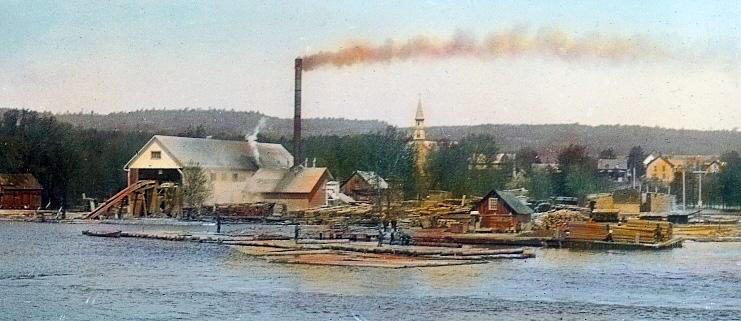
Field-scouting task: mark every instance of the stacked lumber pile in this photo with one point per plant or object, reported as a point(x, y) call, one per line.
point(641, 230)
point(342, 214)
point(605, 215)
point(437, 214)
point(587, 231)
point(556, 220)
point(438, 208)
point(706, 230)
point(245, 210)
point(631, 232)
point(407, 213)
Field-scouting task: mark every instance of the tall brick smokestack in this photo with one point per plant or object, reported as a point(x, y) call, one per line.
point(297, 148)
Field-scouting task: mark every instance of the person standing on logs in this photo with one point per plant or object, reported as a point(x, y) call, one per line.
point(657, 234)
point(296, 231)
point(380, 237)
point(608, 238)
point(218, 223)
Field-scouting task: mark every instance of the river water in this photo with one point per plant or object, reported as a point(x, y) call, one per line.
point(52, 272)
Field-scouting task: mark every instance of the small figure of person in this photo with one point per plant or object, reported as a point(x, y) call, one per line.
point(608, 238)
point(380, 237)
point(218, 223)
point(296, 231)
point(391, 238)
point(657, 234)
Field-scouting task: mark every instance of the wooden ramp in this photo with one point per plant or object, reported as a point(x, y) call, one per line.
point(130, 190)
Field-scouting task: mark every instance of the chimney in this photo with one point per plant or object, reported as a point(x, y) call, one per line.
point(297, 152)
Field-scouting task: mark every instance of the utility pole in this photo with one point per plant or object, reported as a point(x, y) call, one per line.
point(700, 174)
point(699, 191)
point(684, 195)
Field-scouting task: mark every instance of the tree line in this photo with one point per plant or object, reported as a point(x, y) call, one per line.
point(70, 160)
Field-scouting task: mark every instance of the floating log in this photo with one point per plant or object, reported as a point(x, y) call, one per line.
point(102, 233)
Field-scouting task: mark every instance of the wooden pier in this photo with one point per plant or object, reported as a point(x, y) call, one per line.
point(337, 252)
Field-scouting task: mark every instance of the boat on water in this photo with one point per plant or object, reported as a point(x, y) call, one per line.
point(102, 233)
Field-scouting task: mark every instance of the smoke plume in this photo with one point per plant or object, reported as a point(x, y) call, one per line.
point(252, 140)
point(513, 43)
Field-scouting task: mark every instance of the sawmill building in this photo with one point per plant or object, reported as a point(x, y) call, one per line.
point(238, 171)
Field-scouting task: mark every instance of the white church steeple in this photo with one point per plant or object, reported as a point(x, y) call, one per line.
point(419, 123)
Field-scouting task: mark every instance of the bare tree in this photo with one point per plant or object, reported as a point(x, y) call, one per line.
point(195, 188)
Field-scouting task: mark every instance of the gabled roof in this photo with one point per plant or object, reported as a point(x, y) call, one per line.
point(371, 178)
point(514, 203)
point(618, 163)
point(284, 180)
point(662, 158)
point(19, 181)
point(501, 158)
point(217, 153)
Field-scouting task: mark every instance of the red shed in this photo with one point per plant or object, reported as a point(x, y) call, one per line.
point(19, 191)
point(502, 211)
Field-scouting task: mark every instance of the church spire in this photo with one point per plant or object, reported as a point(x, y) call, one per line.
point(419, 123)
point(420, 115)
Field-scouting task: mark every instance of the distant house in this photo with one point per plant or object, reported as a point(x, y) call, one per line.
point(484, 161)
point(713, 167)
point(19, 191)
point(661, 169)
point(363, 185)
point(238, 171)
point(614, 169)
point(502, 211)
point(666, 168)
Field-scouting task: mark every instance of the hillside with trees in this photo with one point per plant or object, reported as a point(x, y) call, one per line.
point(88, 157)
point(546, 139)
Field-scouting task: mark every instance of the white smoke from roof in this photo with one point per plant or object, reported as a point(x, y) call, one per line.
point(252, 140)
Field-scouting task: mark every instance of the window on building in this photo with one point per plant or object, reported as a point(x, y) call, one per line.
point(492, 204)
point(235, 177)
point(155, 154)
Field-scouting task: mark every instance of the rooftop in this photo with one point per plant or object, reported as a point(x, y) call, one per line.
point(19, 181)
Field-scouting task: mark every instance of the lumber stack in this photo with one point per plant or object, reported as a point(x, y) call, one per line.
point(643, 231)
point(605, 215)
point(633, 231)
point(558, 220)
point(706, 230)
point(587, 231)
point(408, 213)
point(245, 210)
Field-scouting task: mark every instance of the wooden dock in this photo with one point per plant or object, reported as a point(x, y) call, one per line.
point(493, 239)
point(602, 245)
point(338, 252)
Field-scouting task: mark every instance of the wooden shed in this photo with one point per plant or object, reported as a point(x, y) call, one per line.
point(363, 185)
point(502, 211)
point(19, 191)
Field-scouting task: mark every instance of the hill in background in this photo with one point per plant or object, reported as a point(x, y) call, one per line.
point(217, 122)
point(547, 139)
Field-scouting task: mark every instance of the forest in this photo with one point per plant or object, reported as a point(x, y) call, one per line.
point(70, 160)
point(547, 139)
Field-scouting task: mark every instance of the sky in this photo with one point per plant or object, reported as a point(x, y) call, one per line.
point(120, 56)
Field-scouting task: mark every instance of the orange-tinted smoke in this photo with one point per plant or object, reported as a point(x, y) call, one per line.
point(517, 42)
